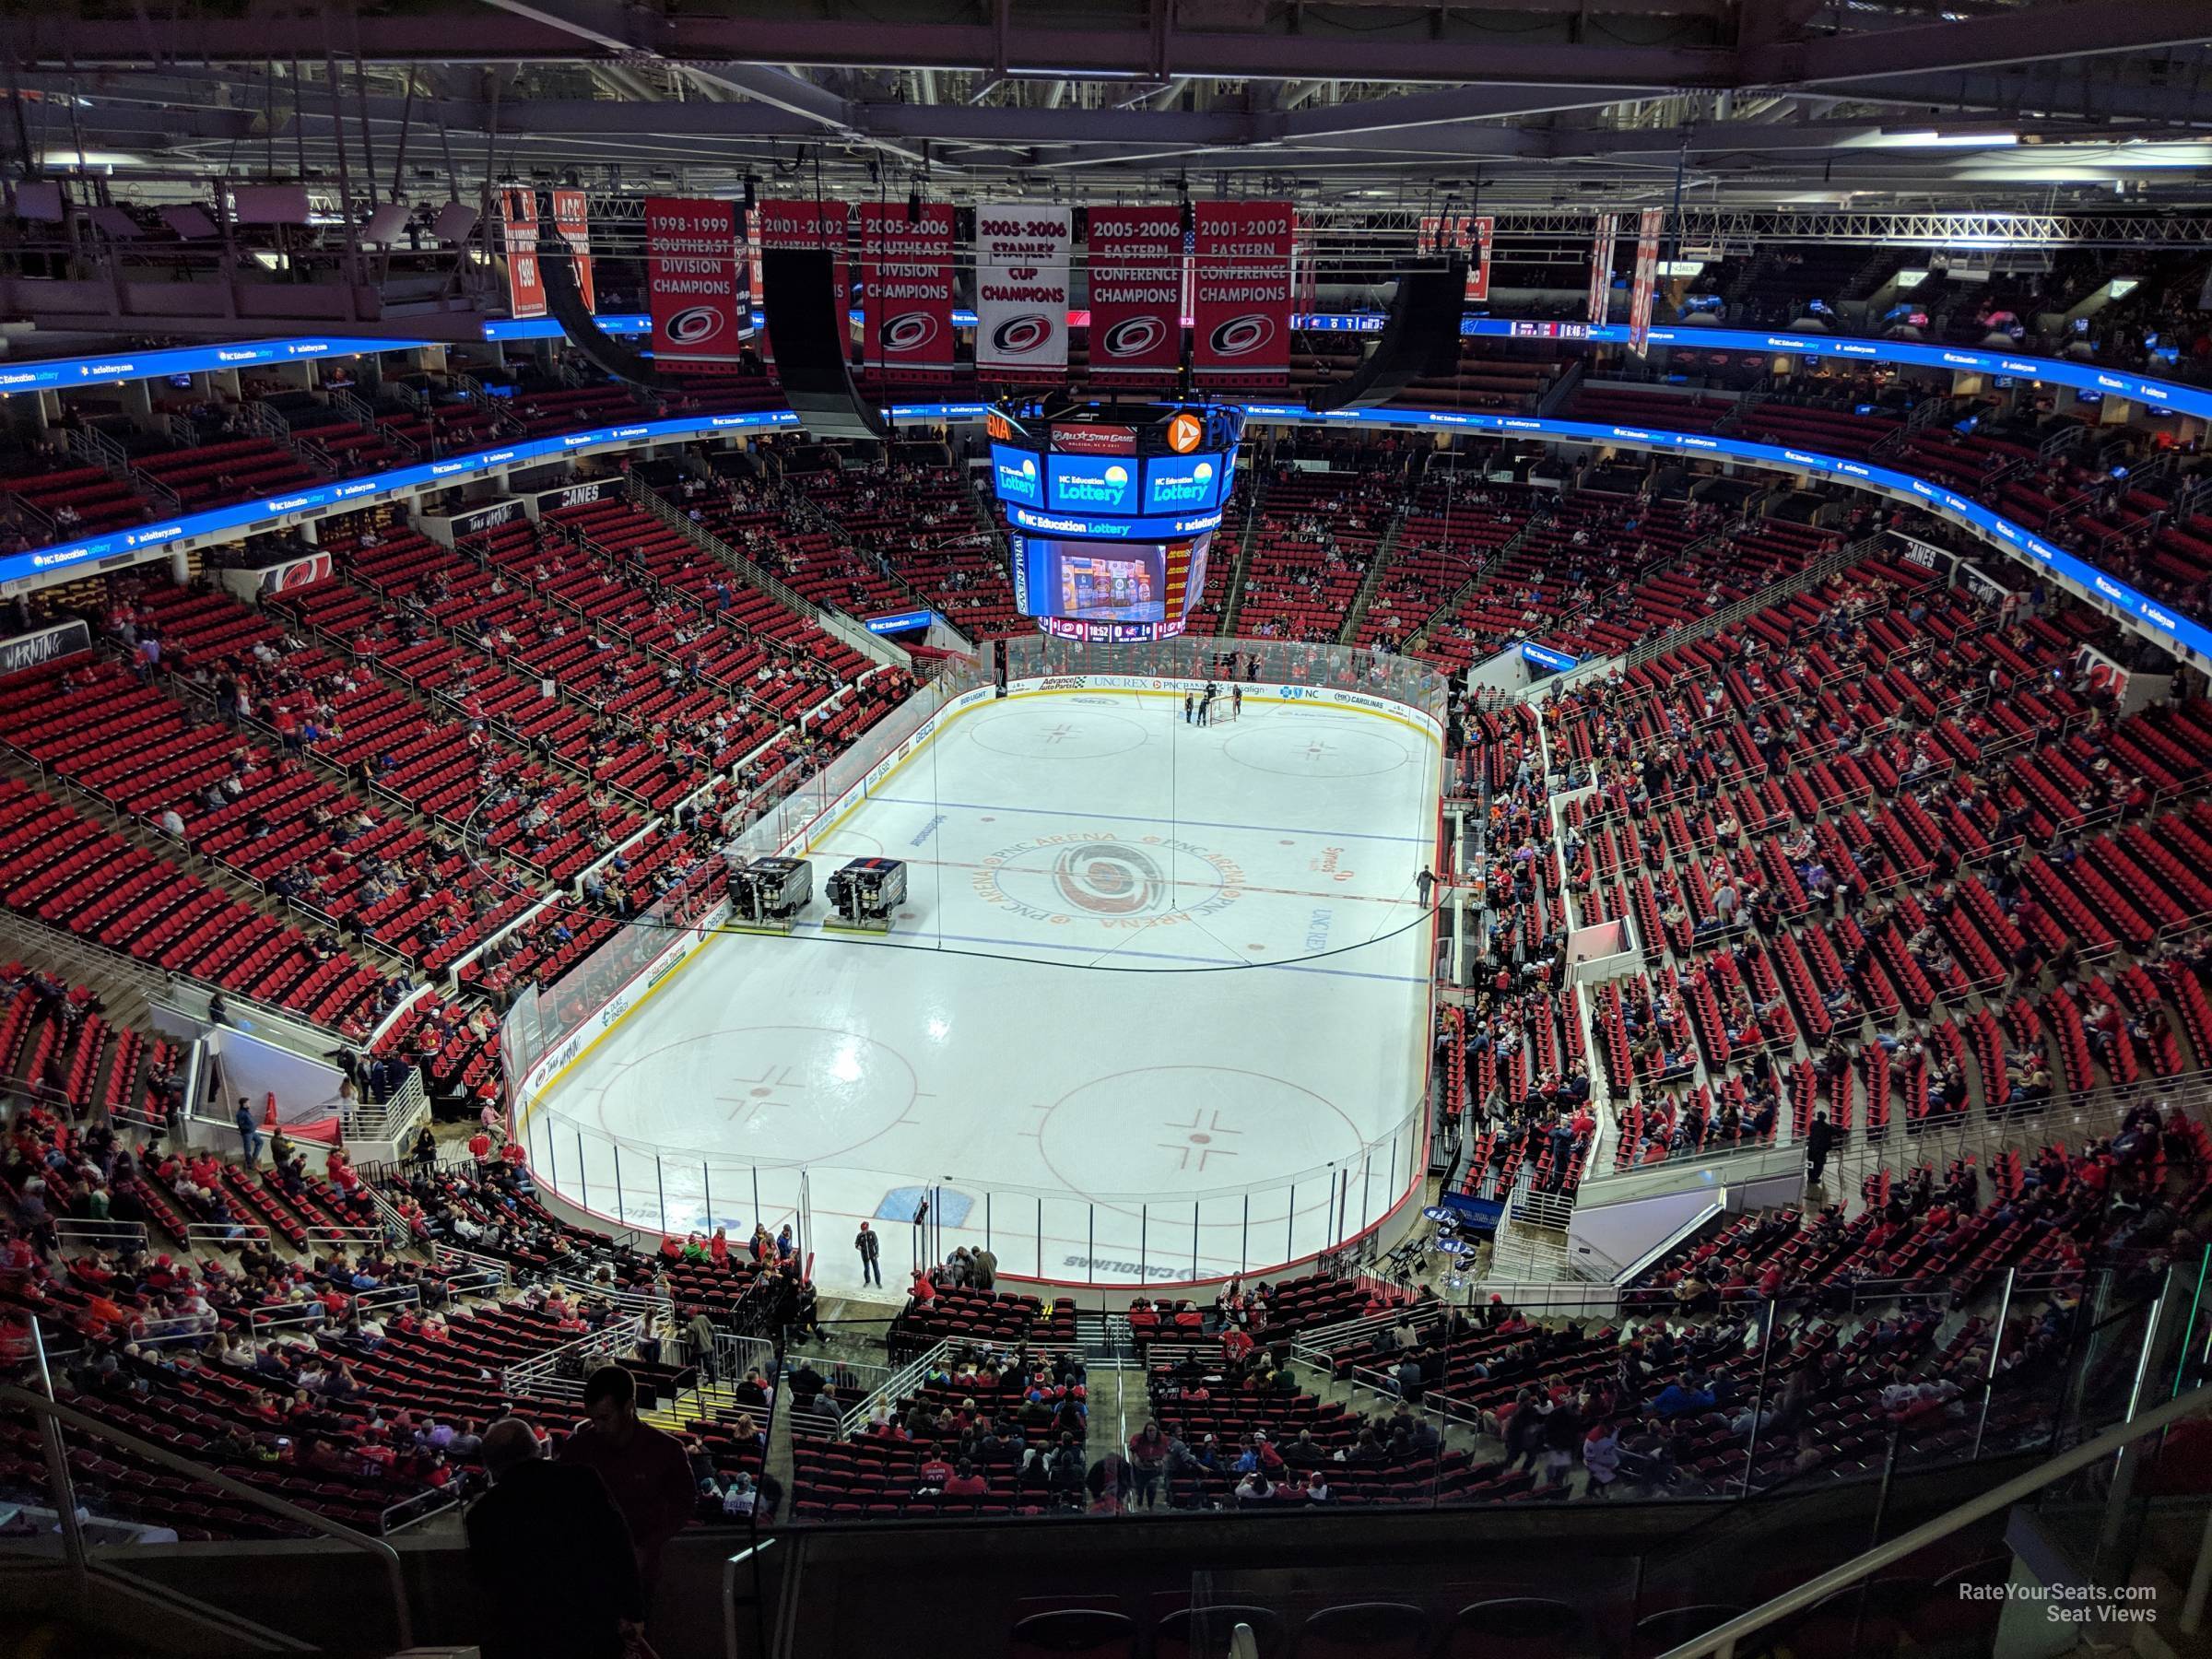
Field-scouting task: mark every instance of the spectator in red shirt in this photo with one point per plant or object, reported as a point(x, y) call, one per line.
point(967, 1483)
point(645, 1469)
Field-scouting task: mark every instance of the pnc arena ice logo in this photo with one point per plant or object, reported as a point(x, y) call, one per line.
point(695, 325)
point(909, 331)
point(1020, 336)
point(1134, 336)
point(1241, 337)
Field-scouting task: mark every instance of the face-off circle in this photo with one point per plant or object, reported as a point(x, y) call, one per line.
point(1108, 880)
point(1090, 735)
point(778, 1093)
point(1317, 746)
point(1153, 1129)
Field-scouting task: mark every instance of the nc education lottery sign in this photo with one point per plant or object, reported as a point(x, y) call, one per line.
point(1135, 257)
point(906, 287)
point(1240, 290)
point(694, 279)
point(1021, 290)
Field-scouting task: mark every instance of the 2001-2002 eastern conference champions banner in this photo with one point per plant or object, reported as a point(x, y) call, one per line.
point(906, 287)
point(1135, 257)
point(1021, 290)
point(695, 281)
point(1241, 292)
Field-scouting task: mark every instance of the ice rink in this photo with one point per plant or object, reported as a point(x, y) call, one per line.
point(1154, 1010)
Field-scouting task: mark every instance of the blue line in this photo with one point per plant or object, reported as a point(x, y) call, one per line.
point(1143, 817)
point(1153, 956)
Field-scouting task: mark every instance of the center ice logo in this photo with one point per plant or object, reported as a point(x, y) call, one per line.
point(1106, 880)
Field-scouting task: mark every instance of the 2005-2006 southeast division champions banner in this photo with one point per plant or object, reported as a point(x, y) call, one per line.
point(1021, 290)
point(906, 287)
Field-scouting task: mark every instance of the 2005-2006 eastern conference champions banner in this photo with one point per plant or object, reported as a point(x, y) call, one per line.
point(1240, 290)
point(695, 279)
point(1136, 258)
point(808, 225)
point(906, 287)
point(1021, 290)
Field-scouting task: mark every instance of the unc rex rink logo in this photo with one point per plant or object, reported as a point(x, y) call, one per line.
point(1108, 880)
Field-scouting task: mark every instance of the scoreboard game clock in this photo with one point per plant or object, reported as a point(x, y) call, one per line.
point(1113, 507)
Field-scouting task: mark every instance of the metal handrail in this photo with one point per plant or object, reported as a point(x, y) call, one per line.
point(1720, 1641)
point(53, 1410)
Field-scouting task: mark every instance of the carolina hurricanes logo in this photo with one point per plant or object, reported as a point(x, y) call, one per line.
point(694, 326)
point(1109, 879)
point(1241, 337)
point(909, 331)
point(1134, 336)
point(1017, 337)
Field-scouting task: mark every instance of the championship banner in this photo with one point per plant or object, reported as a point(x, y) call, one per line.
point(1463, 234)
point(694, 280)
point(1647, 279)
point(572, 218)
point(808, 225)
point(906, 288)
point(1136, 256)
point(526, 282)
point(1241, 289)
point(1021, 290)
point(1601, 267)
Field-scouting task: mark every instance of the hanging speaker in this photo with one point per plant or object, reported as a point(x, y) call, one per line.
point(808, 336)
point(1421, 338)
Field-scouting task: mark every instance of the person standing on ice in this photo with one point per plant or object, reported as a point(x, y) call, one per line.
point(871, 1249)
point(1187, 707)
point(1423, 883)
point(1236, 702)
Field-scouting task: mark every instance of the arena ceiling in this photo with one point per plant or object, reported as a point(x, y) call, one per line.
point(1866, 104)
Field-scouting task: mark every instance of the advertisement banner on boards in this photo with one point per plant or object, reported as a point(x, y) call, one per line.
point(1647, 279)
point(518, 239)
point(1601, 267)
point(783, 224)
point(1136, 256)
point(1241, 295)
point(906, 288)
point(1462, 233)
point(572, 215)
point(694, 279)
point(1021, 290)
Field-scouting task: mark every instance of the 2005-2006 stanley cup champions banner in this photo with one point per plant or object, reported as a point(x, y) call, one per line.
point(1021, 290)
